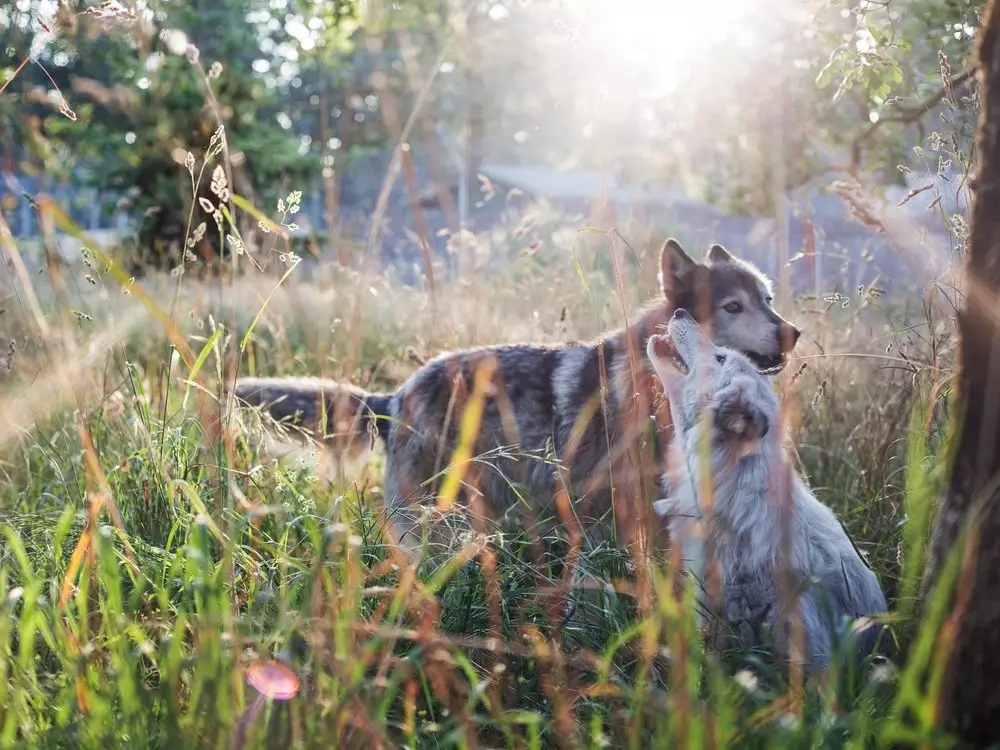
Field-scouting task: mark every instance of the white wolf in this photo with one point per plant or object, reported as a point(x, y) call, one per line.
point(756, 498)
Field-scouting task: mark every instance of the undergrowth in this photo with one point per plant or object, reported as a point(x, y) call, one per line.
point(153, 555)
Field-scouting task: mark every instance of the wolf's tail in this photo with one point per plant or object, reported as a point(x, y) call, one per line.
point(339, 415)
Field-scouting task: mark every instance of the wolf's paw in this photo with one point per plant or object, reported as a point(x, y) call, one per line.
point(737, 416)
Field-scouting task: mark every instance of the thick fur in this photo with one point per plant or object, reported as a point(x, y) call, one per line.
point(576, 406)
point(729, 415)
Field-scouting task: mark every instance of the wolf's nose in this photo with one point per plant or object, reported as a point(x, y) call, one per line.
point(788, 336)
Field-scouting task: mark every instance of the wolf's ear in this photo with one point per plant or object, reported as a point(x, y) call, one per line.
point(718, 254)
point(676, 268)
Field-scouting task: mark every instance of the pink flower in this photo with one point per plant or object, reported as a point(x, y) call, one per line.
point(273, 679)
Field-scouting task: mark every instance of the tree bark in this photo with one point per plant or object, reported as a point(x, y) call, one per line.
point(970, 699)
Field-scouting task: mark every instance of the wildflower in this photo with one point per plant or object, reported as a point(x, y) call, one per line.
point(271, 679)
point(7, 362)
point(217, 142)
point(220, 185)
point(818, 396)
point(747, 680)
point(197, 235)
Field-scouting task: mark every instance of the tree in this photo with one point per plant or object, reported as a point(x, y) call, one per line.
point(970, 513)
point(140, 100)
point(591, 85)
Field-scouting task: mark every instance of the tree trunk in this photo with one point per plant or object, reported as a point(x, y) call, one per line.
point(970, 699)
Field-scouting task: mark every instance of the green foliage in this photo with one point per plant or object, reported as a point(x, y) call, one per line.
point(135, 625)
point(145, 103)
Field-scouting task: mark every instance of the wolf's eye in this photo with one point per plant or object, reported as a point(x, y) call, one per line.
point(733, 307)
point(720, 358)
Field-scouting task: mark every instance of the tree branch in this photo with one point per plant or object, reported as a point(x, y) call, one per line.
point(910, 115)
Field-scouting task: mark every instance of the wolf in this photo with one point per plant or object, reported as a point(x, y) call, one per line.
point(553, 418)
point(762, 521)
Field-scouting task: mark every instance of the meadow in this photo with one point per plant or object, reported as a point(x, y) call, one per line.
point(164, 582)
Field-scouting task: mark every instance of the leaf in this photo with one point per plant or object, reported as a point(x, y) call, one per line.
point(193, 373)
point(579, 270)
point(16, 546)
point(75, 564)
point(199, 507)
point(845, 85)
point(206, 205)
point(471, 420)
point(829, 71)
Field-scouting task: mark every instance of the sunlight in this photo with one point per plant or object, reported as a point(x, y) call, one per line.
point(665, 42)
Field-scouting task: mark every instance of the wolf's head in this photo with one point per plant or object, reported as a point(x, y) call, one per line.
point(732, 299)
point(693, 368)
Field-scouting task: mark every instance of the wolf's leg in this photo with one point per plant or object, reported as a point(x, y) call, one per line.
point(401, 512)
point(750, 608)
point(737, 412)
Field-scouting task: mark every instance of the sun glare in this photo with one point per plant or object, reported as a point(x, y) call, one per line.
point(666, 42)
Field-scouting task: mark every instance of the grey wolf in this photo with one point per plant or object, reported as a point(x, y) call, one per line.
point(760, 521)
point(553, 418)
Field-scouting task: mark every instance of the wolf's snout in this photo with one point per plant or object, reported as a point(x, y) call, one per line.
point(681, 314)
point(788, 336)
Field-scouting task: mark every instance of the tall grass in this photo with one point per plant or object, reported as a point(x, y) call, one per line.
point(152, 552)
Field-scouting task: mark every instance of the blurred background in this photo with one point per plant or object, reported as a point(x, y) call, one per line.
point(745, 122)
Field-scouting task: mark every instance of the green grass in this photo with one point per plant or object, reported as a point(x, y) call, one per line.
point(151, 552)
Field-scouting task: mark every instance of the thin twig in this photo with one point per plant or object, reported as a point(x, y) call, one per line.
point(910, 115)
